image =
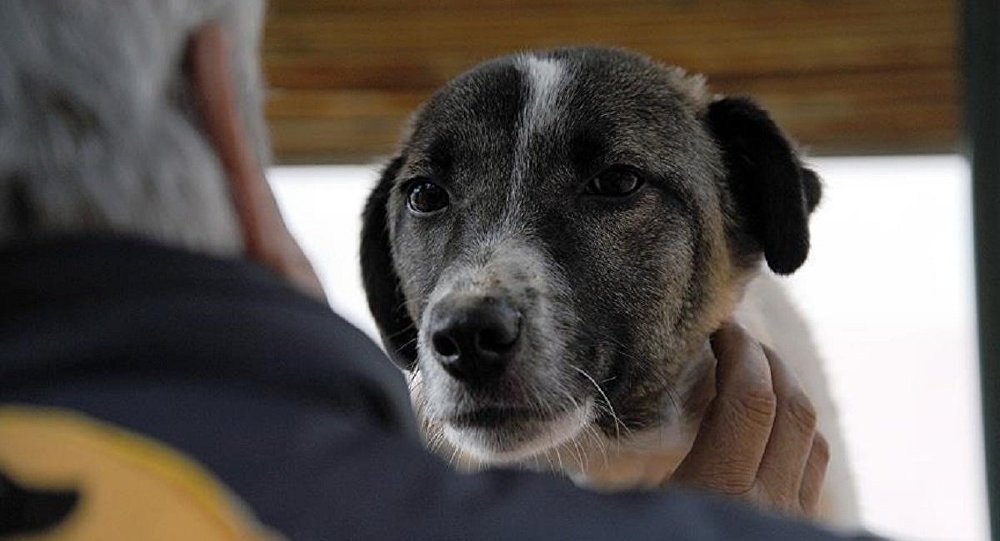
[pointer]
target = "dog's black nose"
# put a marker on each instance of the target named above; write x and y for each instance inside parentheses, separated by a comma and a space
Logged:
(474, 338)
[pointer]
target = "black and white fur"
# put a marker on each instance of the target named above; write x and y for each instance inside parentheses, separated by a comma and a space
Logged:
(611, 299)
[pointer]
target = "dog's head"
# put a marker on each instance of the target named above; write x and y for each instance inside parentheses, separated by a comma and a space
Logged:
(559, 235)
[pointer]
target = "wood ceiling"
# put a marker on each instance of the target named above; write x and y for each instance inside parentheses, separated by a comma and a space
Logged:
(843, 77)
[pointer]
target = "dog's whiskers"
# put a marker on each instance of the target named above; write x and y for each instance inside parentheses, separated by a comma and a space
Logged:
(600, 390)
(435, 439)
(578, 453)
(454, 455)
(594, 439)
(404, 345)
(408, 328)
(669, 390)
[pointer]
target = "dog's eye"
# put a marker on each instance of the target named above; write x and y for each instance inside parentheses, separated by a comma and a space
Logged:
(426, 197)
(615, 182)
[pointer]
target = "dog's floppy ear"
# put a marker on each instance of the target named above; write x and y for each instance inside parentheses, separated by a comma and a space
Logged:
(773, 191)
(382, 287)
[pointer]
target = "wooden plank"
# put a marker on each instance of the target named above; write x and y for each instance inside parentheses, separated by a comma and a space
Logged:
(747, 42)
(844, 76)
(828, 114)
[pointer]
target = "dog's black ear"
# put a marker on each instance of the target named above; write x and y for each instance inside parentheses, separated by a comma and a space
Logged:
(773, 191)
(382, 287)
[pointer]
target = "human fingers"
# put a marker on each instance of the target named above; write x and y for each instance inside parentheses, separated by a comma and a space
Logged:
(791, 442)
(814, 475)
(733, 436)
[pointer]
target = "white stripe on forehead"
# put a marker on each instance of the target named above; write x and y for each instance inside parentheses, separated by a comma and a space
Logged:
(544, 77)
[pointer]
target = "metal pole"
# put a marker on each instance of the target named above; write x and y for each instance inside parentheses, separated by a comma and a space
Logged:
(982, 125)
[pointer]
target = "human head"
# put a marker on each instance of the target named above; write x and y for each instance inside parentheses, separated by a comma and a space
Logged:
(100, 130)
(140, 118)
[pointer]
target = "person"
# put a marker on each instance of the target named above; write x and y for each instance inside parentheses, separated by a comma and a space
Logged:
(170, 367)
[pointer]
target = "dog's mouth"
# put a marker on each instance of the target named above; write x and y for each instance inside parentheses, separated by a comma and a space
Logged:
(511, 434)
(496, 417)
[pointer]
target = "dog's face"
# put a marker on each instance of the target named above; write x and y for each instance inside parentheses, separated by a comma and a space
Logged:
(559, 235)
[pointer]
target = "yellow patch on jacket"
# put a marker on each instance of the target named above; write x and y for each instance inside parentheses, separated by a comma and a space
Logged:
(131, 487)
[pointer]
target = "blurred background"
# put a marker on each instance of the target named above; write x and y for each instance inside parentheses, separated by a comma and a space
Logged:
(870, 89)
(844, 77)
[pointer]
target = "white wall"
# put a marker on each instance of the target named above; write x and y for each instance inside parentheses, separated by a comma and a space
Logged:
(888, 288)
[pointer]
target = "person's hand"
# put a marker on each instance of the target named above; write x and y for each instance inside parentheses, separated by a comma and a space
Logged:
(758, 440)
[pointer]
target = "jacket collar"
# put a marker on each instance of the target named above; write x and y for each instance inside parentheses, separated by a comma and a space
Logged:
(63, 270)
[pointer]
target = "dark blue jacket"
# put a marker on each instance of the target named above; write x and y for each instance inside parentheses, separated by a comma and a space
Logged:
(297, 412)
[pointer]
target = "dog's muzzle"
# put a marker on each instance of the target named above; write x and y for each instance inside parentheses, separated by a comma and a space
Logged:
(493, 362)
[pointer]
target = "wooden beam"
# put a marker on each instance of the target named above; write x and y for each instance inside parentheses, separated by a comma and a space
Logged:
(848, 76)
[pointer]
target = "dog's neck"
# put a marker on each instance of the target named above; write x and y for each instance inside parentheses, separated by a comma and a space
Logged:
(648, 458)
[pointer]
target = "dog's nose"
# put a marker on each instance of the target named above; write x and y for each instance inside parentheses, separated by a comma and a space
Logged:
(474, 338)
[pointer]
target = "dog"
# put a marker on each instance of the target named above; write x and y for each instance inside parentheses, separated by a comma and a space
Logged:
(555, 241)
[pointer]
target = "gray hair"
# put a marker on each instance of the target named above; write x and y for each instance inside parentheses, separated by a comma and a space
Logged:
(99, 132)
